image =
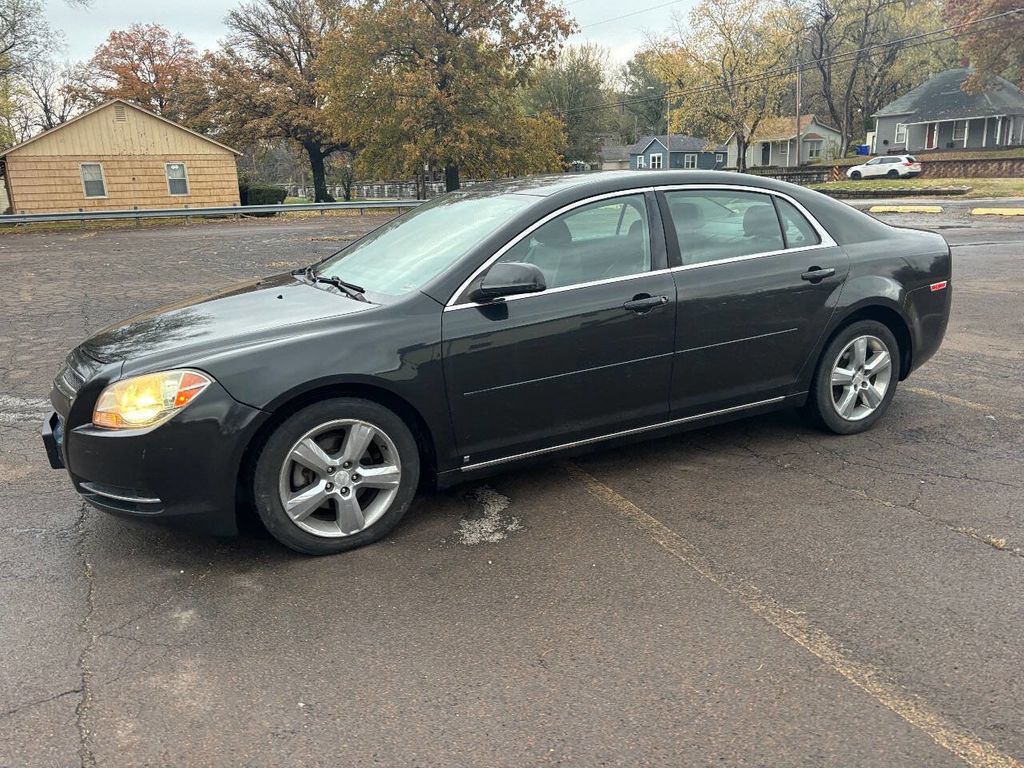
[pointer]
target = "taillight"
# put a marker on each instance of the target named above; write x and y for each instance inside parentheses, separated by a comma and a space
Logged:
(908, 164)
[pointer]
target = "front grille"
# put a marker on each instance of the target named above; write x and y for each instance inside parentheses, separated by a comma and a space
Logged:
(68, 380)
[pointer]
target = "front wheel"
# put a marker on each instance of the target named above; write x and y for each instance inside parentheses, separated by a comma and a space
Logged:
(855, 175)
(856, 378)
(336, 475)
(893, 174)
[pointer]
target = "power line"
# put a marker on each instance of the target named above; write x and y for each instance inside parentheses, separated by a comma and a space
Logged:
(627, 15)
(767, 75)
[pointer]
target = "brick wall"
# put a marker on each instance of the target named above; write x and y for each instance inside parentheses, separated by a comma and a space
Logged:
(972, 169)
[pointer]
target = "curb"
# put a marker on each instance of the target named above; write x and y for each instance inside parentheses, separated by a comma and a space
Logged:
(997, 212)
(908, 209)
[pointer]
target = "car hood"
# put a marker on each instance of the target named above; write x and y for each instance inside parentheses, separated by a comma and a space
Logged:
(246, 314)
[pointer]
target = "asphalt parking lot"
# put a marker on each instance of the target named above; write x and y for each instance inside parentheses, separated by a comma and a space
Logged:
(751, 594)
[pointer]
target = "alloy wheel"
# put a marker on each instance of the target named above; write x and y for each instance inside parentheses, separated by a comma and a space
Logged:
(861, 375)
(340, 478)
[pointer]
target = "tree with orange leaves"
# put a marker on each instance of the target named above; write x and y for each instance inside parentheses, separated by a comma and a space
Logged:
(148, 65)
(994, 47)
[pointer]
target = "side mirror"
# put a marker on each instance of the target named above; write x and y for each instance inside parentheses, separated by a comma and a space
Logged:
(508, 279)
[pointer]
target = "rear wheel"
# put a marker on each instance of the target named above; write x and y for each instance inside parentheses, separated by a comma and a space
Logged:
(336, 475)
(856, 378)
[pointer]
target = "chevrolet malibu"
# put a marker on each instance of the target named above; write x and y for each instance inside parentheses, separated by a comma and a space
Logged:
(494, 325)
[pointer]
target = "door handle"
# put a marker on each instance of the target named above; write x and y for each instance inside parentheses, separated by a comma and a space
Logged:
(817, 274)
(644, 303)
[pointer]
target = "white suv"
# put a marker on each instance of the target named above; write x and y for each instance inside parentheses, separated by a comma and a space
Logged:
(890, 166)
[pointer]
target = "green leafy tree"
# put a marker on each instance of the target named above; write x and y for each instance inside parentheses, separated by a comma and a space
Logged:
(573, 88)
(644, 96)
(431, 83)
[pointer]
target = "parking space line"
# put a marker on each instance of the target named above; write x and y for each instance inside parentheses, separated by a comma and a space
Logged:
(954, 400)
(972, 750)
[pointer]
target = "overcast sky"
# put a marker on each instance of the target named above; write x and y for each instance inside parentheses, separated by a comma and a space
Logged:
(202, 21)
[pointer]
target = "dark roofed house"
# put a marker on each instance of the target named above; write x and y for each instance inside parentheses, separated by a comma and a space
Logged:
(614, 154)
(675, 151)
(939, 115)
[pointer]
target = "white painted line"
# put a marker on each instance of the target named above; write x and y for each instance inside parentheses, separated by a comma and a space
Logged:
(954, 400)
(972, 750)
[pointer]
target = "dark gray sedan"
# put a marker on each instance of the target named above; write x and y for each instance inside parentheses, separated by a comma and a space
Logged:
(493, 325)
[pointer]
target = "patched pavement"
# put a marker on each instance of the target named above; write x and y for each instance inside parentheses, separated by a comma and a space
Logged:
(752, 594)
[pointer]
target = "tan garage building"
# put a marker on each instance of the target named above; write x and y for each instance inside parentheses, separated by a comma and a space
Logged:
(118, 156)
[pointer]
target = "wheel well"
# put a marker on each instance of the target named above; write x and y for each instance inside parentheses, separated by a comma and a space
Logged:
(892, 320)
(412, 418)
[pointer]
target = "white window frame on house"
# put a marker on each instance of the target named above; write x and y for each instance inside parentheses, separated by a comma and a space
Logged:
(901, 134)
(961, 124)
(656, 161)
(640, 162)
(103, 180)
(167, 175)
(814, 148)
(690, 160)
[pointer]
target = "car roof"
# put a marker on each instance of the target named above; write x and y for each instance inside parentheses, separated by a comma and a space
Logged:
(587, 184)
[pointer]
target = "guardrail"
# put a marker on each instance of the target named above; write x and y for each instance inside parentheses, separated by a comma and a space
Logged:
(138, 214)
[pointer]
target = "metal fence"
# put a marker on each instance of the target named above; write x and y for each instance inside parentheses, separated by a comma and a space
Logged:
(137, 214)
(808, 174)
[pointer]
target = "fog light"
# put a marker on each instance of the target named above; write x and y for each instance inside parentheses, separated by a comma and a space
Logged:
(148, 400)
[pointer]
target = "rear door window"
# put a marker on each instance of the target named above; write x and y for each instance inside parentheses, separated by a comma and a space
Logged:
(712, 225)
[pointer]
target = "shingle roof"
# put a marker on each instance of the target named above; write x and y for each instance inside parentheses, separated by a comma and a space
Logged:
(784, 128)
(612, 151)
(675, 143)
(941, 98)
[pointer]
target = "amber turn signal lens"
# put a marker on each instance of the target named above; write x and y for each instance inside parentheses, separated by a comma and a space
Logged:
(146, 401)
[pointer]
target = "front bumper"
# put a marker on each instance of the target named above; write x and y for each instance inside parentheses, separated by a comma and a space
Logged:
(183, 473)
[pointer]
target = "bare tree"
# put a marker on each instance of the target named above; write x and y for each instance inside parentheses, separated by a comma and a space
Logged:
(23, 34)
(265, 81)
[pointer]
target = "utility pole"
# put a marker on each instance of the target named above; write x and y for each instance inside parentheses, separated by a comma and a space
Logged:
(795, 161)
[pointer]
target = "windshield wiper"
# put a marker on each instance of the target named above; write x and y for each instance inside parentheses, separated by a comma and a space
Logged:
(351, 290)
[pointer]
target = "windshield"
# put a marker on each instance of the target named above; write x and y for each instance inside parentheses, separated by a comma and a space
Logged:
(406, 253)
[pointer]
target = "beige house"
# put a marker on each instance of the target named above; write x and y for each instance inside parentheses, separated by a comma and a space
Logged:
(114, 157)
(774, 143)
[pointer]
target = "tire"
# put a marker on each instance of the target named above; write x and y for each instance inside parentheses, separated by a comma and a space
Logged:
(893, 174)
(356, 457)
(855, 175)
(826, 401)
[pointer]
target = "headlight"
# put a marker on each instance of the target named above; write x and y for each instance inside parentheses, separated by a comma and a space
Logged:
(145, 401)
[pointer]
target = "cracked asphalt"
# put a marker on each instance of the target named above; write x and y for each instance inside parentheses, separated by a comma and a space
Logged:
(756, 593)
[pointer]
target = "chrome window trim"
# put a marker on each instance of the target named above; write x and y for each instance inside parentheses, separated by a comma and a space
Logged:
(827, 240)
(624, 433)
(748, 257)
(451, 306)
